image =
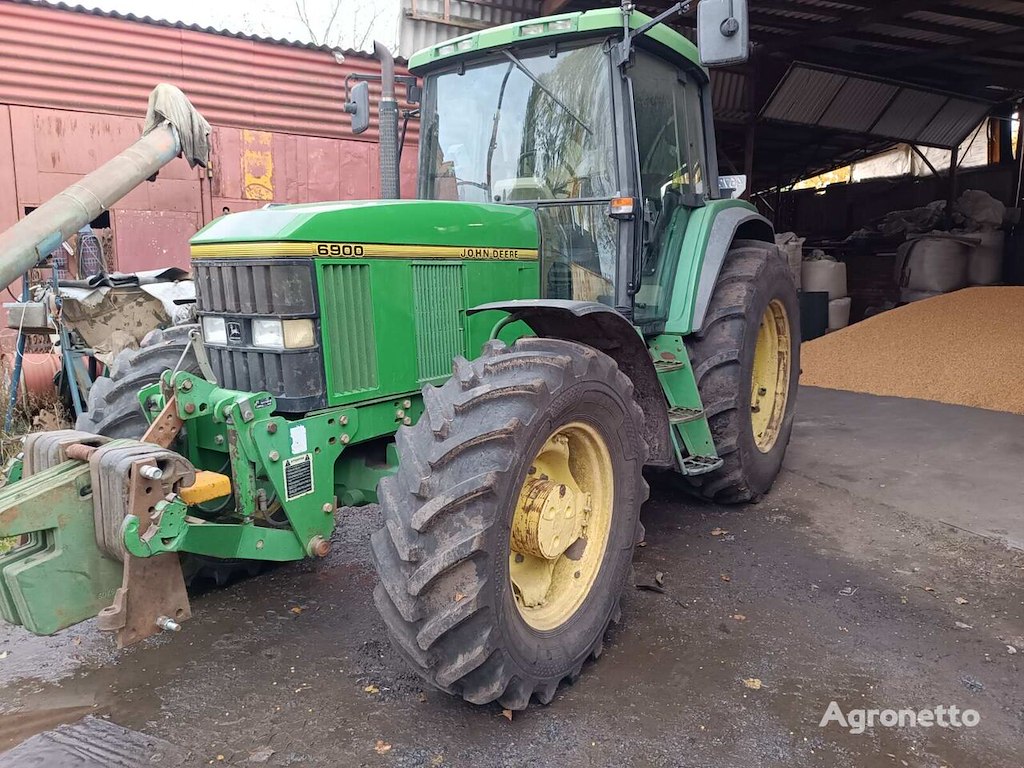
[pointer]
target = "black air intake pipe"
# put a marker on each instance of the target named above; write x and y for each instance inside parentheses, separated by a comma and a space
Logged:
(388, 131)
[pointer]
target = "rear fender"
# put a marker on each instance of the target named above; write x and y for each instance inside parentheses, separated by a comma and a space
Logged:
(604, 329)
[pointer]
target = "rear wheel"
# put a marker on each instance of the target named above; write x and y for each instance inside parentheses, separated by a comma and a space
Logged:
(510, 525)
(746, 360)
(114, 411)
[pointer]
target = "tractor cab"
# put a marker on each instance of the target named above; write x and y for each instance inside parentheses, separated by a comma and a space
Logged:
(599, 121)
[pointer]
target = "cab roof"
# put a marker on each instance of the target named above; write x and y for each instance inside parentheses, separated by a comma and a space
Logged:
(567, 25)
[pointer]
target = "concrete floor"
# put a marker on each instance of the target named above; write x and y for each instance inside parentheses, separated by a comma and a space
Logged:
(841, 585)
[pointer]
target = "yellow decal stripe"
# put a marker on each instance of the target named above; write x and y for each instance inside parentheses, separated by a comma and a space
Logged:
(359, 251)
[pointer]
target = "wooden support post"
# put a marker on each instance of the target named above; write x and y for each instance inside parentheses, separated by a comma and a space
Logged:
(1020, 155)
(951, 194)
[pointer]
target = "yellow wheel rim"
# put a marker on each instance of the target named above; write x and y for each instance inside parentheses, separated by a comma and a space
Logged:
(769, 386)
(561, 526)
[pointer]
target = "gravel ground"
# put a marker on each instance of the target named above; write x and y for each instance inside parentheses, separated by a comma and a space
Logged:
(819, 593)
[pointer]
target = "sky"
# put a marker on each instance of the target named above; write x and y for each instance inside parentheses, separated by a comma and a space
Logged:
(355, 25)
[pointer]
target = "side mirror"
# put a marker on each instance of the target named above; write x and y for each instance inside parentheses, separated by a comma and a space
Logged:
(414, 93)
(723, 32)
(359, 106)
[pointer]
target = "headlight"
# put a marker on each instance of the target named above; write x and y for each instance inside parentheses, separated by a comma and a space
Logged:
(298, 334)
(282, 334)
(215, 331)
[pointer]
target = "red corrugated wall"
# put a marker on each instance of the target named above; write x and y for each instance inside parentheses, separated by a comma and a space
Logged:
(73, 90)
(81, 61)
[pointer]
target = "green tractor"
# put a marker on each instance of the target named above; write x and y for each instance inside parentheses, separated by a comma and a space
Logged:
(570, 224)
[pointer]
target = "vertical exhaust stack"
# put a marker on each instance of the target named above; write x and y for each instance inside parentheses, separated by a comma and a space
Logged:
(388, 112)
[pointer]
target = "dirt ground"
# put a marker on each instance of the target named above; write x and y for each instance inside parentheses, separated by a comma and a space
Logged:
(824, 591)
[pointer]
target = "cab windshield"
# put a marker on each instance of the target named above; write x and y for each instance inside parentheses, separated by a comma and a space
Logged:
(528, 127)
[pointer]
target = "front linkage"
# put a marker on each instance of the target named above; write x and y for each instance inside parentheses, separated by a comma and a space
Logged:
(101, 522)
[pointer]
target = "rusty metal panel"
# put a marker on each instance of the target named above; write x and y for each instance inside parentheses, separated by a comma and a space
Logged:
(8, 192)
(53, 149)
(150, 239)
(236, 82)
(287, 168)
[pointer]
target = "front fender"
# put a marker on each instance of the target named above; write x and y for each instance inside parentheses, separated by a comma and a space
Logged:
(710, 234)
(604, 329)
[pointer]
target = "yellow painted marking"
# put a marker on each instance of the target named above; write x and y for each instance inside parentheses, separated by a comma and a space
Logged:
(208, 486)
(257, 165)
(359, 251)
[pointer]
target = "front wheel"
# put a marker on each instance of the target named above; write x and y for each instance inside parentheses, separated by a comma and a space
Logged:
(746, 360)
(510, 525)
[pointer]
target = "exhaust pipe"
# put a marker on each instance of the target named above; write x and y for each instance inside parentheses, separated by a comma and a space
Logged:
(388, 114)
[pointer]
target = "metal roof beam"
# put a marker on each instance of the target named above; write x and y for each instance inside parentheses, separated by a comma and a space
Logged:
(849, 23)
(985, 44)
(978, 14)
(550, 7)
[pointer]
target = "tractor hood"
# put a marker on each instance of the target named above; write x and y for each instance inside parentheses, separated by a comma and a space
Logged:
(380, 222)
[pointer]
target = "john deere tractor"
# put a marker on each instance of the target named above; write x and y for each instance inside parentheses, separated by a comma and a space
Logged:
(572, 299)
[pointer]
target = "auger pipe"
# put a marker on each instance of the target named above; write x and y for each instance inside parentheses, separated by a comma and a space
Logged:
(38, 234)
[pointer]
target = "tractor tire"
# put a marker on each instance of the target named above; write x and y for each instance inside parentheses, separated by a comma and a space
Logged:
(754, 307)
(453, 587)
(113, 406)
(114, 411)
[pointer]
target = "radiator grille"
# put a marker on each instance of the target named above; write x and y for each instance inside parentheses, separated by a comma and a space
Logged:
(248, 371)
(279, 289)
(437, 291)
(348, 315)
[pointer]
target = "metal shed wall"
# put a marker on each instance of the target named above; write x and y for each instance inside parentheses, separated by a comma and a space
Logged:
(90, 62)
(73, 90)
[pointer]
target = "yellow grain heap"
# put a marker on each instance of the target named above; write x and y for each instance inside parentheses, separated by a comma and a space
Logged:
(965, 348)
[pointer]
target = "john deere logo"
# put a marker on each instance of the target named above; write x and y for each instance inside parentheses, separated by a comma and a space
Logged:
(235, 333)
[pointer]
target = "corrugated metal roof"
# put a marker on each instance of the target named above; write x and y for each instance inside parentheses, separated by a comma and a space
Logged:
(853, 103)
(729, 95)
(427, 22)
(163, 22)
(100, 63)
(975, 47)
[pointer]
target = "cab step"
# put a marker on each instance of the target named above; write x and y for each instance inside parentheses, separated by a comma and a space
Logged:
(701, 465)
(680, 415)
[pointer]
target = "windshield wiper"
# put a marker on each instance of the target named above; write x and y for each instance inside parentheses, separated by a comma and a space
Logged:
(522, 68)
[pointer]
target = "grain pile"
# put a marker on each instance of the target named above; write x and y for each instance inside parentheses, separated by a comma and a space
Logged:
(965, 348)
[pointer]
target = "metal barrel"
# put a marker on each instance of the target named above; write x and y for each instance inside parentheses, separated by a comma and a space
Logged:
(43, 230)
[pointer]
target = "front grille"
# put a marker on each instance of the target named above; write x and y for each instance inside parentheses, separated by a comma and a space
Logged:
(272, 287)
(240, 290)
